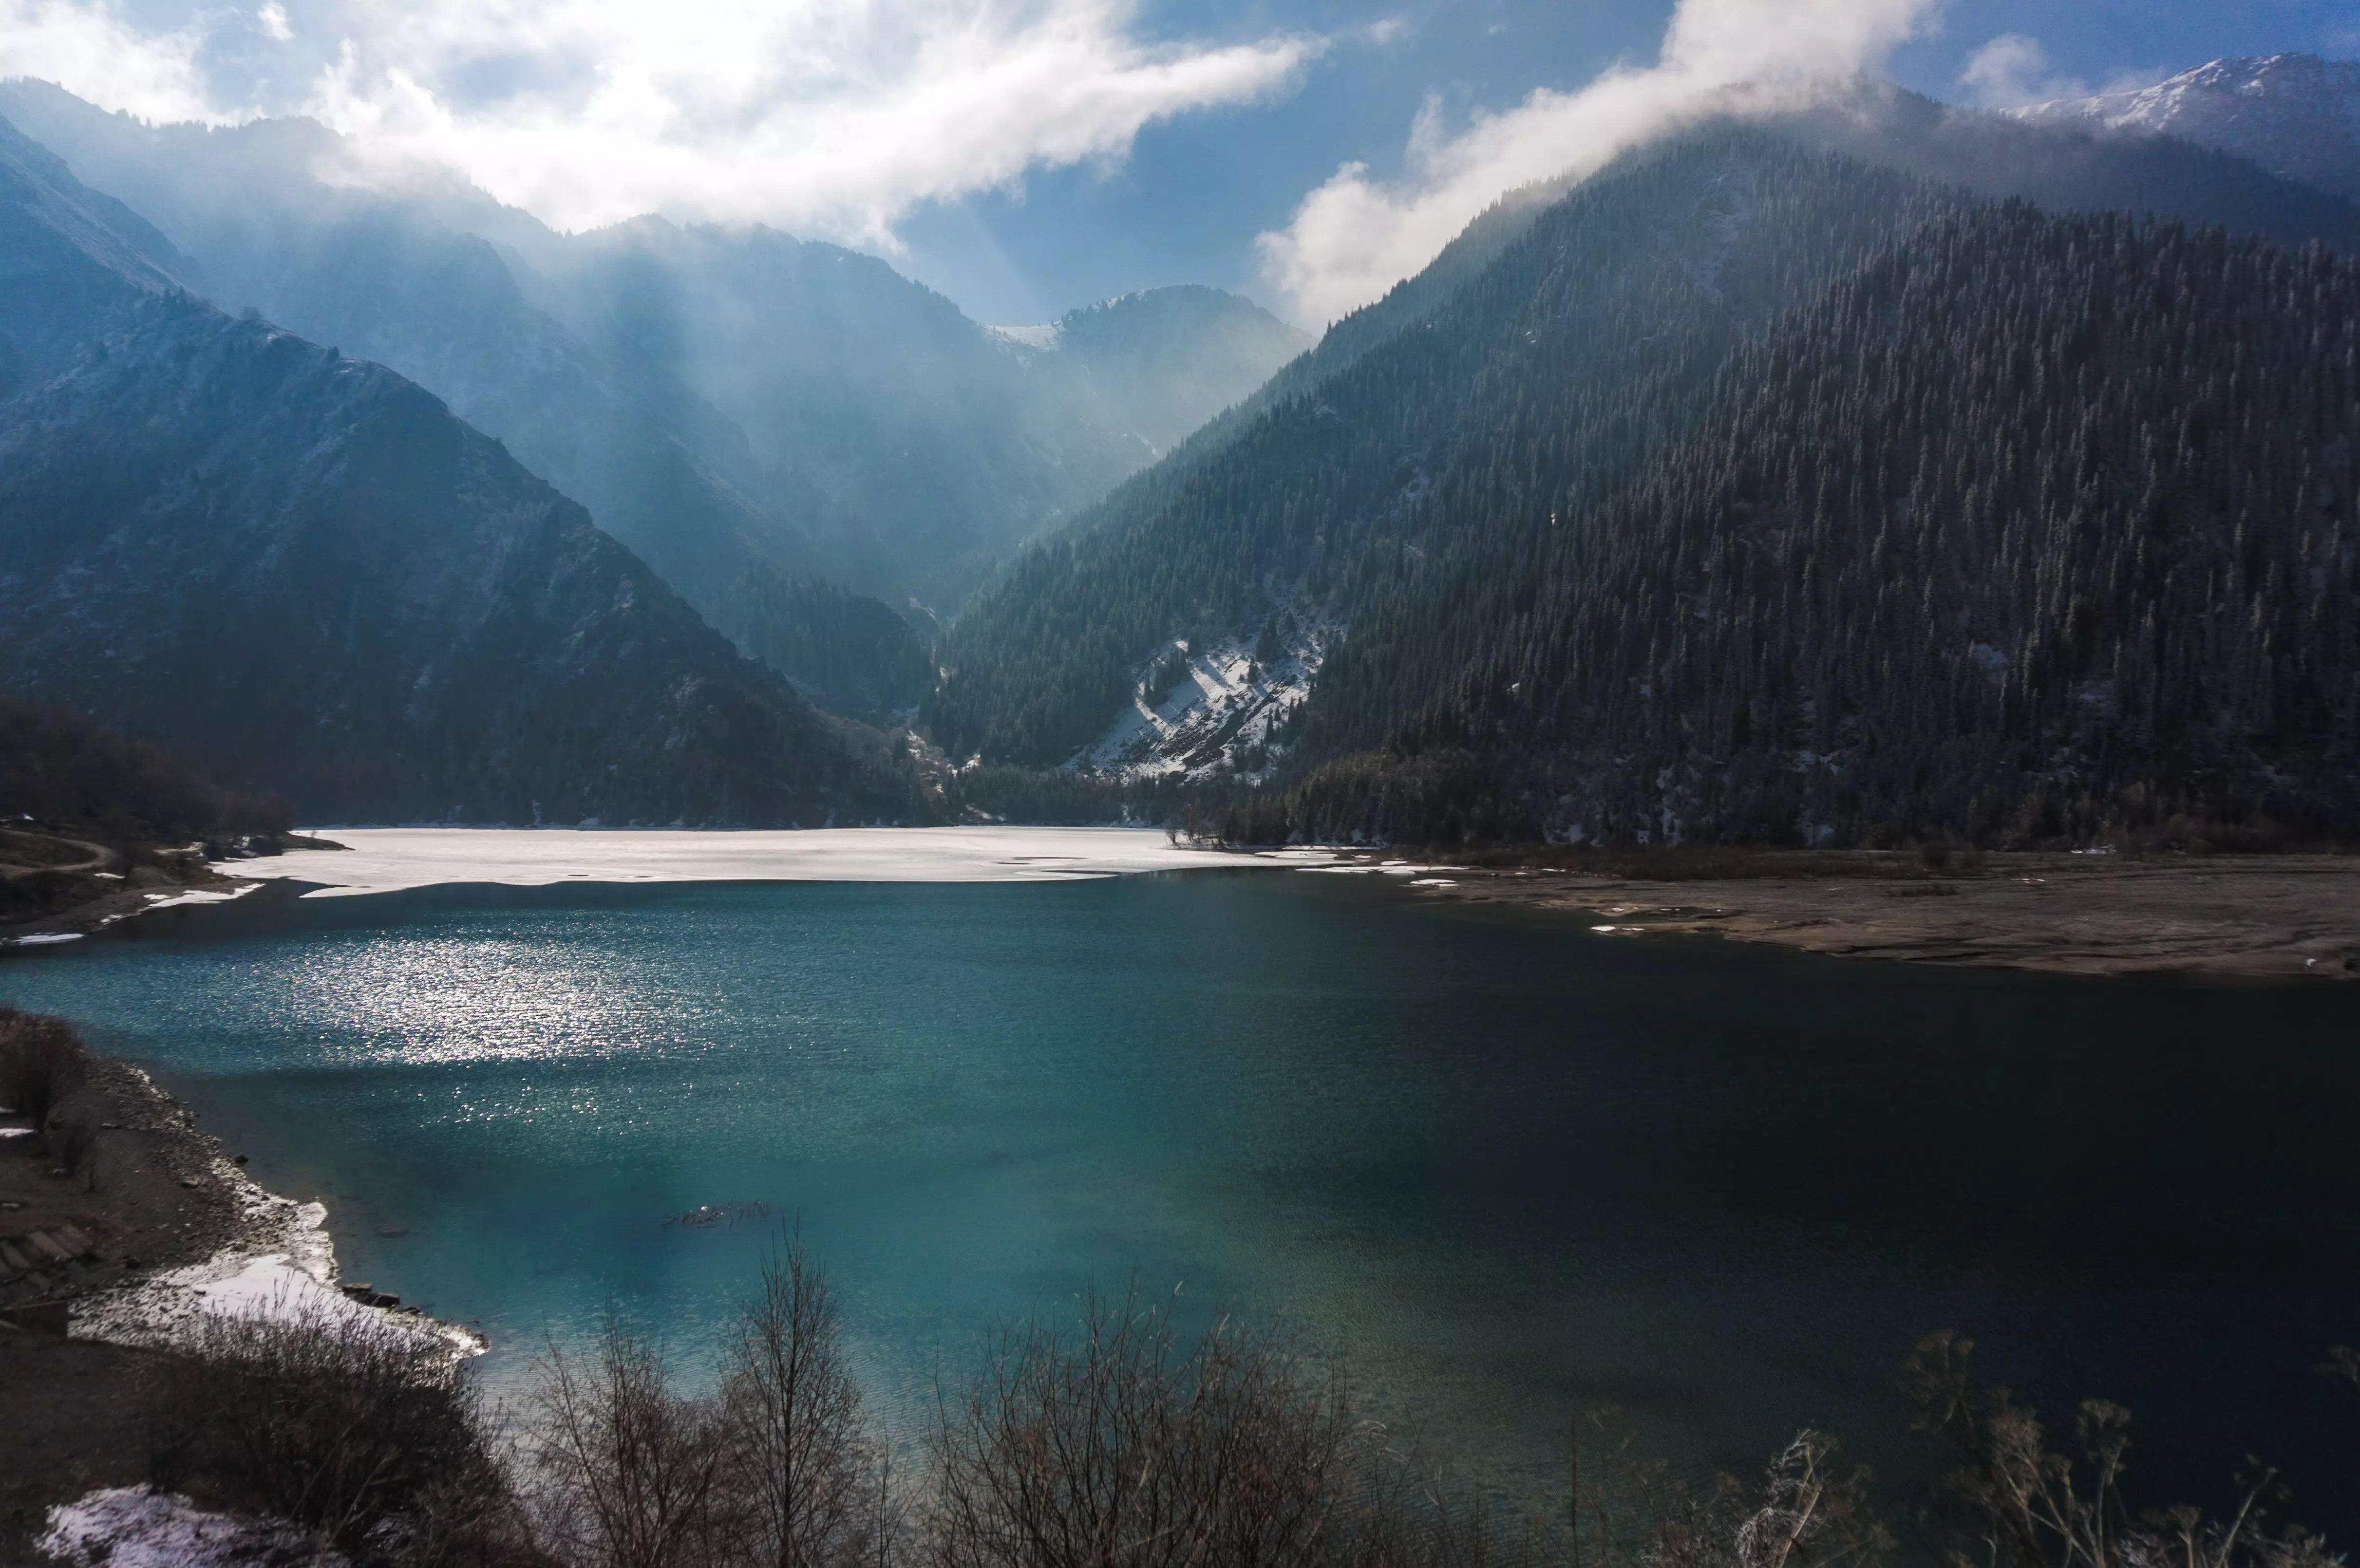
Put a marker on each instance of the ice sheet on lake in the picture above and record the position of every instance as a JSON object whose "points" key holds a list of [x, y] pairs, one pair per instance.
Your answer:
{"points": [[386, 860], [194, 896]]}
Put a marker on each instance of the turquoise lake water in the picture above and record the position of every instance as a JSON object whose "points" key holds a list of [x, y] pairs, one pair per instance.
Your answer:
{"points": [[1503, 1166]]}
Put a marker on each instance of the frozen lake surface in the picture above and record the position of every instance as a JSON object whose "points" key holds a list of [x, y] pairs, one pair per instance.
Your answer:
{"points": [[391, 860]]}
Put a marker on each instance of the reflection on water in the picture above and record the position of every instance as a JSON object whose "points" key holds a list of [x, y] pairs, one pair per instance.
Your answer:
{"points": [[1505, 1167]]}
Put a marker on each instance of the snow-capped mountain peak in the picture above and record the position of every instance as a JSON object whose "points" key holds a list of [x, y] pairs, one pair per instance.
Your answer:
{"points": [[2295, 115]]}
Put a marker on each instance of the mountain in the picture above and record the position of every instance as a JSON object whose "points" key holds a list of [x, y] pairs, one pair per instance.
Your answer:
{"points": [[727, 402], [1252, 554], [933, 445], [2060, 166], [2295, 115], [1162, 362], [301, 573], [927, 445], [273, 221], [76, 264], [2065, 166], [1679, 516]]}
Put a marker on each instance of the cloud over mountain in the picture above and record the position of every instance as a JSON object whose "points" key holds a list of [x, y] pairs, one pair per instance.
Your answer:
{"points": [[831, 116], [1357, 236]]}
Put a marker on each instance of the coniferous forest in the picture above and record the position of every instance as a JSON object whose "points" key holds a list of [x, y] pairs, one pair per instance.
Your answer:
{"points": [[1760, 494]]}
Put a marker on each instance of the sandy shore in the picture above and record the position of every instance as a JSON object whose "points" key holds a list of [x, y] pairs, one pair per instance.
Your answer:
{"points": [[2257, 917]]}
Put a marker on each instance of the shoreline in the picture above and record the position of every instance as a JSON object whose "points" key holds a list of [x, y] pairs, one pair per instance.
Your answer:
{"points": [[103, 1278], [150, 1258], [114, 883], [2278, 917], [2252, 917]]}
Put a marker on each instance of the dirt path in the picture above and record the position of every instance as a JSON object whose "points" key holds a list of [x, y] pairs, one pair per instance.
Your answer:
{"points": [[96, 856], [2248, 917]]}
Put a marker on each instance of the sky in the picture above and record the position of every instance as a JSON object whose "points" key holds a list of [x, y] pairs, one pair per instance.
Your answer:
{"points": [[1025, 156]]}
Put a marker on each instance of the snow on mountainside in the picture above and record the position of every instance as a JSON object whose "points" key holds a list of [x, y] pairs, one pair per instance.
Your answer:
{"points": [[1215, 711], [2295, 115]]}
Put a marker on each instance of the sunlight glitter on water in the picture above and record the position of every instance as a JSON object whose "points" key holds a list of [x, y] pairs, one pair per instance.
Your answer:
{"points": [[449, 1001]]}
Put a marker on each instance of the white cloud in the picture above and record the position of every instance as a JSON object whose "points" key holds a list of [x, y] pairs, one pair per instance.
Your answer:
{"points": [[1355, 236], [2013, 71], [95, 44], [828, 115]]}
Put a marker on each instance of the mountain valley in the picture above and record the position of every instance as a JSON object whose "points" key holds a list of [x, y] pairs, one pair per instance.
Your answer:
{"points": [[1519, 551]]}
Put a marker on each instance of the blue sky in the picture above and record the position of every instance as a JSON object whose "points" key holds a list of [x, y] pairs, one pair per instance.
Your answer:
{"points": [[1186, 205], [1026, 156]]}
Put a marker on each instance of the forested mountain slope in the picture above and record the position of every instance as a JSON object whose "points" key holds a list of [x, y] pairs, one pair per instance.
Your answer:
{"points": [[2055, 162], [304, 574], [1753, 493], [2028, 524], [1263, 541]]}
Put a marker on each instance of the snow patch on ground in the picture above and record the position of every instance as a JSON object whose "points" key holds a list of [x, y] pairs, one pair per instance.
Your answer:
{"points": [[1218, 716], [137, 1527], [198, 896], [43, 939], [284, 1269], [388, 860]]}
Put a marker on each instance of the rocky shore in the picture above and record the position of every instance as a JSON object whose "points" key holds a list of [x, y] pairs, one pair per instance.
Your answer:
{"points": [[105, 1267], [2291, 917]]}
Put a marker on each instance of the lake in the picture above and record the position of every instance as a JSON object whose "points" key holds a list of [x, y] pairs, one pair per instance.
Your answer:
{"points": [[1503, 1167]]}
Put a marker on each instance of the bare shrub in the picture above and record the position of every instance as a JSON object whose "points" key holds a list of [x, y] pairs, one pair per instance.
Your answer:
{"points": [[804, 1478], [628, 1473], [356, 1427], [1111, 1443], [1632, 1512], [42, 1062], [2024, 1504]]}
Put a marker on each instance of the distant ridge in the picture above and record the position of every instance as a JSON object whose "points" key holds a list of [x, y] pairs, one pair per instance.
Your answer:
{"points": [[2294, 115], [300, 573]]}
